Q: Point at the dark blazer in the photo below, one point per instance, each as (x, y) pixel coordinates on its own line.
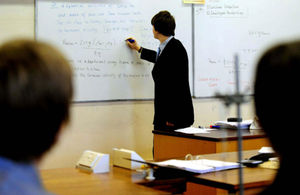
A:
(172, 96)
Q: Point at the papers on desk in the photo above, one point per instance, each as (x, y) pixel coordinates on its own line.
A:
(266, 150)
(192, 130)
(199, 166)
(234, 125)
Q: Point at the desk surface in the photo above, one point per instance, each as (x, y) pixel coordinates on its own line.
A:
(229, 180)
(67, 181)
(216, 135)
(122, 181)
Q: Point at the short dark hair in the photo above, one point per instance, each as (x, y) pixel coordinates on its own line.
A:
(276, 93)
(164, 23)
(35, 94)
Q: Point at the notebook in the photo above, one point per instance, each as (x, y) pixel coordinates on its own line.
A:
(199, 166)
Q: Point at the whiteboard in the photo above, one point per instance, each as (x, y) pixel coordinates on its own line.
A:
(224, 28)
(91, 34)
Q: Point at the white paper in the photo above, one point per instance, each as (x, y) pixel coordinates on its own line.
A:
(233, 125)
(266, 150)
(192, 130)
(200, 166)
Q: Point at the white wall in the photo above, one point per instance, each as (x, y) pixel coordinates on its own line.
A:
(104, 125)
(16, 19)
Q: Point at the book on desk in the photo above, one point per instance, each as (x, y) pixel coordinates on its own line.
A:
(199, 166)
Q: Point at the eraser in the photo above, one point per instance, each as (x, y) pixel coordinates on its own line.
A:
(234, 120)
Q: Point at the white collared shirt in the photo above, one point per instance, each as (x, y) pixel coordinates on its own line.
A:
(164, 44)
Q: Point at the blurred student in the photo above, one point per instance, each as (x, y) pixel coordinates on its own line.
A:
(277, 103)
(173, 107)
(35, 94)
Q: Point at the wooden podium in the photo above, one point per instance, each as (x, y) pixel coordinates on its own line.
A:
(170, 144)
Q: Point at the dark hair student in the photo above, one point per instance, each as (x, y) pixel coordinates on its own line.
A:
(277, 103)
(35, 94)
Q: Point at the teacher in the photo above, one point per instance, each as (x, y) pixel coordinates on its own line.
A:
(173, 107)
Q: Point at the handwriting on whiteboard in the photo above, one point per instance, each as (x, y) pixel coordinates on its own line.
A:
(223, 10)
(90, 29)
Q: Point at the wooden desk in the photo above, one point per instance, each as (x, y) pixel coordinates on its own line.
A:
(167, 145)
(68, 181)
(255, 179)
(122, 181)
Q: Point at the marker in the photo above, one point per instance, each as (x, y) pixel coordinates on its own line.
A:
(215, 127)
(130, 40)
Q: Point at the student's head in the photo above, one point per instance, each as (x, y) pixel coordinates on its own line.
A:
(164, 23)
(277, 99)
(35, 94)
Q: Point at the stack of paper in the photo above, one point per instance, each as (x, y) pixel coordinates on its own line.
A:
(234, 125)
(192, 130)
(266, 150)
(199, 166)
